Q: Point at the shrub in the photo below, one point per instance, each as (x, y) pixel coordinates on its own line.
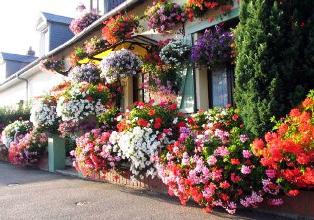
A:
(275, 65)
(9, 115)
(14, 131)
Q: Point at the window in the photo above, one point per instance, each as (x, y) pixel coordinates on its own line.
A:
(111, 4)
(220, 86)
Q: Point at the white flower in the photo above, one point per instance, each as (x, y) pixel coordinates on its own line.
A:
(139, 146)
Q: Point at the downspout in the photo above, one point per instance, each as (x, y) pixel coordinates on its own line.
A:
(27, 83)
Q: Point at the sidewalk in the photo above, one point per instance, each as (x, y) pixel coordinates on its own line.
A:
(35, 194)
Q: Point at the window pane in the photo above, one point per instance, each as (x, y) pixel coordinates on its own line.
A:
(219, 87)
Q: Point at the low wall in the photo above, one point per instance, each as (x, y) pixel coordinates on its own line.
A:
(295, 207)
(124, 178)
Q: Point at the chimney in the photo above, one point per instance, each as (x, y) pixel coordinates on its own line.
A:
(30, 52)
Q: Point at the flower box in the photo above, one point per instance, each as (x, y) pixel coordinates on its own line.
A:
(124, 179)
(301, 206)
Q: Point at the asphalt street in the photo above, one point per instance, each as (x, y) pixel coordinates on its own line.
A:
(34, 194)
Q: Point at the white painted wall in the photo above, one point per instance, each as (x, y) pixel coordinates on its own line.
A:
(39, 84)
(13, 94)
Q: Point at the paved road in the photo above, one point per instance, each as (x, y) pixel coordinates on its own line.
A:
(33, 194)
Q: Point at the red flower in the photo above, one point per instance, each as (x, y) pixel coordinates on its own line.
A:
(235, 178)
(303, 159)
(181, 124)
(157, 123)
(224, 185)
(295, 112)
(142, 122)
(293, 193)
(90, 99)
(173, 107)
(151, 112)
(235, 117)
(235, 161)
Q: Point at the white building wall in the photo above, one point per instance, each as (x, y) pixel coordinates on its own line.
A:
(13, 94)
(39, 84)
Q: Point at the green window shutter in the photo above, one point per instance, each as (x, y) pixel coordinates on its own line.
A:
(186, 97)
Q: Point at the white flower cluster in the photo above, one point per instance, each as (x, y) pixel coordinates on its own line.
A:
(16, 128)
(176, 53)
(77, 105)
(120, 64)
(140, 146)
(78, 109)
(44, 114)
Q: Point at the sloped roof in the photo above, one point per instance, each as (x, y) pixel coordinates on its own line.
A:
(17, 57)
(56, 18)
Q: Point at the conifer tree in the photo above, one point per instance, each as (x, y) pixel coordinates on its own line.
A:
(275, 59)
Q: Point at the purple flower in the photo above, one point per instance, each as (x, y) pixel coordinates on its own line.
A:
(213, 47)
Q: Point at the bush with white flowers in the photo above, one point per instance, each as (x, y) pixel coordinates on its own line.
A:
(13, 130)
(120, 64)
(140, 146)
(85, 73)
(81, 101)
(176, 53)
(44, 113)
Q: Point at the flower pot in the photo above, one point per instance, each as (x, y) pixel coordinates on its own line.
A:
(56, 153)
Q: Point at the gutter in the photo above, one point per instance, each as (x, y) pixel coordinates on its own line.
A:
(27, 85)
(73, 40)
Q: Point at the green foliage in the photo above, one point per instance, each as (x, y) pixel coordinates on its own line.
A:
(9, 115)
(275, 59)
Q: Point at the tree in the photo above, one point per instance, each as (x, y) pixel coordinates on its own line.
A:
(275, 59)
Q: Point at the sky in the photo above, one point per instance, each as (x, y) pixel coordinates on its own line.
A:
(18, 19)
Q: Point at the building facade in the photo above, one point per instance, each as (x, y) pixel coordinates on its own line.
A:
(201, 88)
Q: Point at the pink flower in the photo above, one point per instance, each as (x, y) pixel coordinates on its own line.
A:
(245, 169)
(221, 151)
(243, 138)
(211, 160)
(271, 173)
(275, 202)
(246, 154)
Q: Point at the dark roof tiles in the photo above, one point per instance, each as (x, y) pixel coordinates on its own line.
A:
(17, 57)
(56, 18)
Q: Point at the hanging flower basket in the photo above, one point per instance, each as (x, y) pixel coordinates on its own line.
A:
(197, 8)
(85, 73)
(119, 27)
(176, 53)
(86, 19)
(120, 64)
(44, 114)
(163, 16)
(214, 47)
